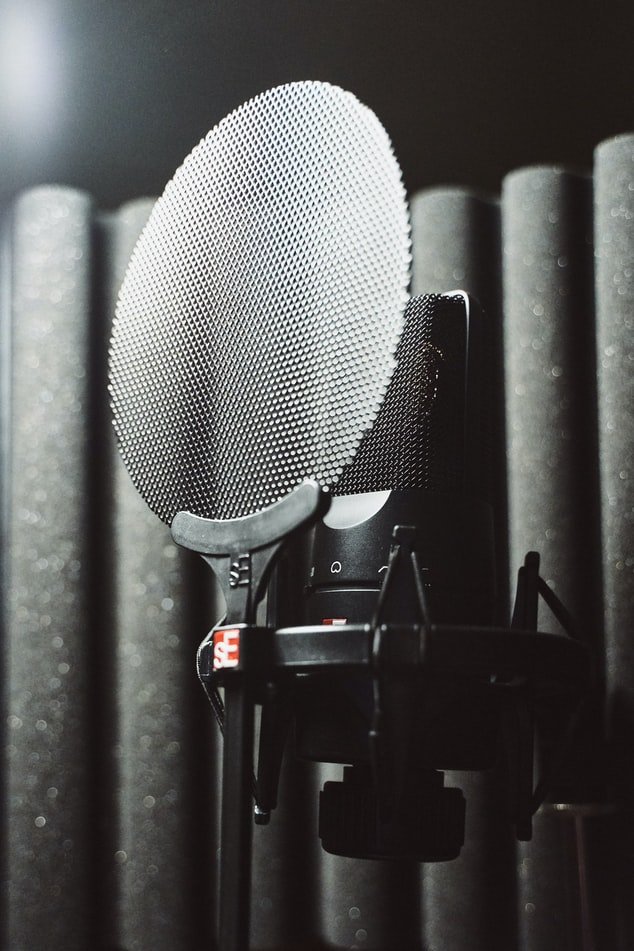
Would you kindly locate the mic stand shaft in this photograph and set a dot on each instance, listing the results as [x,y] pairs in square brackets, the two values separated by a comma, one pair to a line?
[236,829]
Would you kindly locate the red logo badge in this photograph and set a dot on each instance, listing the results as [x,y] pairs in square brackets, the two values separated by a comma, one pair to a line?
[226,648]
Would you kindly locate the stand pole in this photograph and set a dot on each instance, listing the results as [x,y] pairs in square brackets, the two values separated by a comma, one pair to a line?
[237,808]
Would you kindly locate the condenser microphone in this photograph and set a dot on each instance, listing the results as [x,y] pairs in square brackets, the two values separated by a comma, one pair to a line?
[425,462]
[424,466]
[394,592]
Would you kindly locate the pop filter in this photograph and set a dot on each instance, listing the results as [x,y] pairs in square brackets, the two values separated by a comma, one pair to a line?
[257,323]
[254,339]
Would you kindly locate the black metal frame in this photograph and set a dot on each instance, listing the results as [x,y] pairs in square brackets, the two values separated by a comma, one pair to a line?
[518,665]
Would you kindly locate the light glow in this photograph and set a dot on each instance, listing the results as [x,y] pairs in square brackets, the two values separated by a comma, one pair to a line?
[29,66]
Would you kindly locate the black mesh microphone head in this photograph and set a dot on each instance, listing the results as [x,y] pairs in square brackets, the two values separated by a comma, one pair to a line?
[433,430]
[256,327]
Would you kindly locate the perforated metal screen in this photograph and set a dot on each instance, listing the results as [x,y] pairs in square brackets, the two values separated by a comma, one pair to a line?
[257,324]
[418,438]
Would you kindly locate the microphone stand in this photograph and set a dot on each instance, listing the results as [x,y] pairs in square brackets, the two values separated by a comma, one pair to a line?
[517,667]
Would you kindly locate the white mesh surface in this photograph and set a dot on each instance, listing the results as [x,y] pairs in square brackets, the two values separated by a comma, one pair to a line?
[257,324]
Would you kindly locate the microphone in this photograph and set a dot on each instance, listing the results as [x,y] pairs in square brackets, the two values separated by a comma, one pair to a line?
[424,464]
[404,559]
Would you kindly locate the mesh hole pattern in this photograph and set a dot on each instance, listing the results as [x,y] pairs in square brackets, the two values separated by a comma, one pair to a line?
[256,327]
[418,439]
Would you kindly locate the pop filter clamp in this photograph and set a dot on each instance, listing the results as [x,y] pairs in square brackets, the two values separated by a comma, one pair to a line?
[518,668]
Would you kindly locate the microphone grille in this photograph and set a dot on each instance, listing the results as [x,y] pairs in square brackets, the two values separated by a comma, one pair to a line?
[256,327]
[429,433]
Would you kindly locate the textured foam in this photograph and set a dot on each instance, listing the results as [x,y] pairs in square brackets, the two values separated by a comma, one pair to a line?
[257,324]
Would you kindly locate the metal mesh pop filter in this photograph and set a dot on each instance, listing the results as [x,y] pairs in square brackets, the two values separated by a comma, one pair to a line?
[256,327]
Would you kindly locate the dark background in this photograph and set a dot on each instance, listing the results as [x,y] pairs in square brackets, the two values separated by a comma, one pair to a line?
[110,95]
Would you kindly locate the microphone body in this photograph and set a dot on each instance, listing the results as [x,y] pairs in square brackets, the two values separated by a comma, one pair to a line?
[424,465]
[350,549]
